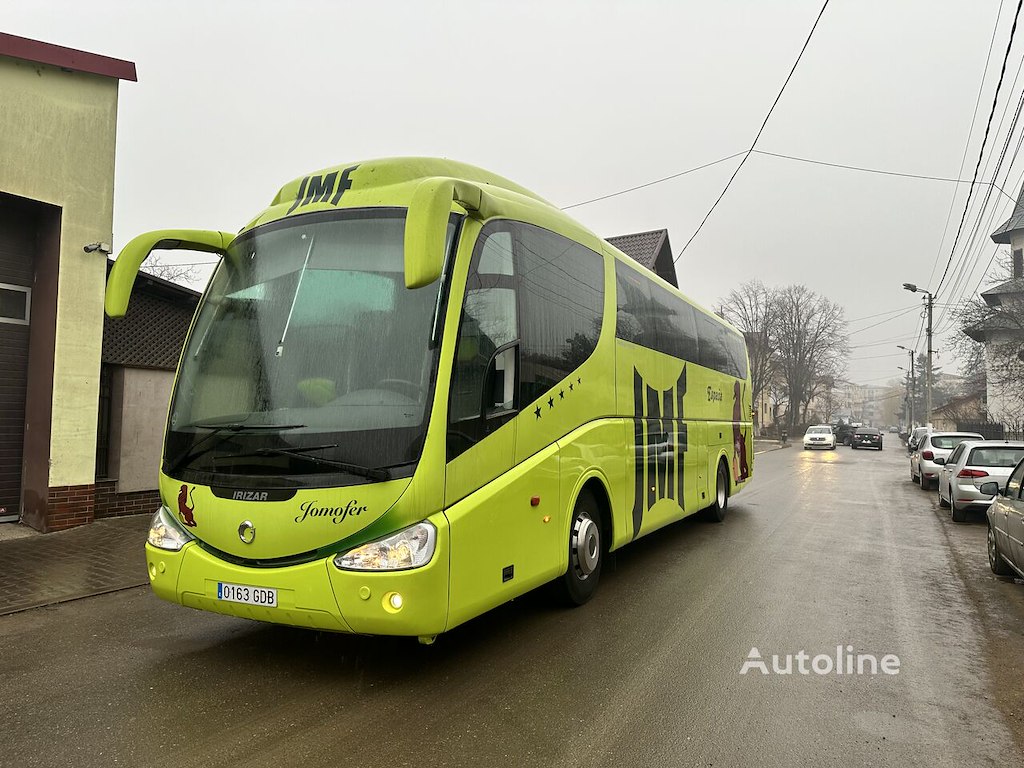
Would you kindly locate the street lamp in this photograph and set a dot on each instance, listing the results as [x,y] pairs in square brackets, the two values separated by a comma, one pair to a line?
[929,299]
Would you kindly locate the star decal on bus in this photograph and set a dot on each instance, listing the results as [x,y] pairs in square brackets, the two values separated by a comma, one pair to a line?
[537,412]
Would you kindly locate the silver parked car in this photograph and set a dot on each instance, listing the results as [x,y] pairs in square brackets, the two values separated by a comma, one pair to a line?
[972,464]
[915,436]
[924,468]
[1006,524]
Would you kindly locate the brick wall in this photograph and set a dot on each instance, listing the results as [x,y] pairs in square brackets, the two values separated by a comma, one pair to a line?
[68,506]
[112,504]
[72,505]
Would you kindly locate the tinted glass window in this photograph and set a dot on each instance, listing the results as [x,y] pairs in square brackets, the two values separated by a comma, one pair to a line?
[561,299]
[488,322]
[1013,485]
[954,457]
[675,324]
[949,441]
[650,315]
[995,457]
[634,315]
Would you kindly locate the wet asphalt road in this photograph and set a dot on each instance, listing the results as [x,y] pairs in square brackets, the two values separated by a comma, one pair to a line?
[825,549]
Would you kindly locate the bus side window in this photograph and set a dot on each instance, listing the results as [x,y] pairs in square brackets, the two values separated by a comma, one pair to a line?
[561,302]
[488,323]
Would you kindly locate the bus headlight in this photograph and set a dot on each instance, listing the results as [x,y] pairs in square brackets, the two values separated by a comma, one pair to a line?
[409,548]
[165,533]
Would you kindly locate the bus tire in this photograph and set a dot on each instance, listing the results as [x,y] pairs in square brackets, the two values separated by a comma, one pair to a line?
[586,552]
[716,512]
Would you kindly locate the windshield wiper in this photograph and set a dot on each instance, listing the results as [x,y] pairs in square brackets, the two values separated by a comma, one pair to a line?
[195,450]
[370,473]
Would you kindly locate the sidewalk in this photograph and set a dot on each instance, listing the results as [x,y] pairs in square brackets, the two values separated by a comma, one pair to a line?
[44,568]
[763,446]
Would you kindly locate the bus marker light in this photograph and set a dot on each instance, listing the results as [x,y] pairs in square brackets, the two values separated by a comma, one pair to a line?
[547,518]
[535,501]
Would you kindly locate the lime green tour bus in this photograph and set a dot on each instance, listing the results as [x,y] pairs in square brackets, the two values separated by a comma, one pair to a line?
[414,390]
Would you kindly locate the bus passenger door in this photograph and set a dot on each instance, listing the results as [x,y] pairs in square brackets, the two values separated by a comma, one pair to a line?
[481,402]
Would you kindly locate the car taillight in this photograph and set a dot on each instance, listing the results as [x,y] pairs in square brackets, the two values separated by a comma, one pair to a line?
[972,473]
[928,455]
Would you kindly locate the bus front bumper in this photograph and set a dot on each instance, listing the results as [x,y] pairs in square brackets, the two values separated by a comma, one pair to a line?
[316,595]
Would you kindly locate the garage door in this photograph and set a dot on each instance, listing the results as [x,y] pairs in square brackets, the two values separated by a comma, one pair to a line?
[17,241]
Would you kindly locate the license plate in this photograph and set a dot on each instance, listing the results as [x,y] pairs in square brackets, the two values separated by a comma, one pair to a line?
[240,593]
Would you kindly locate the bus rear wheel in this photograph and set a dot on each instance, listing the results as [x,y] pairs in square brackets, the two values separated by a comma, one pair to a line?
[586,552]
[716,512]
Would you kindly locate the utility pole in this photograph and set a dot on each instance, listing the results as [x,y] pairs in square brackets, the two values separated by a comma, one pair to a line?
[929,300]
[913,386]
[928,373]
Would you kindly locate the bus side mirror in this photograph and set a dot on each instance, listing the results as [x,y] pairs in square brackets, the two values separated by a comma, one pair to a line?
[126,267]
[499,392]
[426,224]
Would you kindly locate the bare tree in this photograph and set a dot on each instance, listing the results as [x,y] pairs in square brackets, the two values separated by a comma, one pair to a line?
[811,345]
[172,273]
[753,308]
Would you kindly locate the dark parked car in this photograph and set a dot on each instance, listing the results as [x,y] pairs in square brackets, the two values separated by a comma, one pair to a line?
[866,437]
[1006,524]
[843,432]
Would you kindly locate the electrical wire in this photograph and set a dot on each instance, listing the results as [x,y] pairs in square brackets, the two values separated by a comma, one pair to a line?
[988,125]
[880,171]
[967,144]
[652,183]
[759,132]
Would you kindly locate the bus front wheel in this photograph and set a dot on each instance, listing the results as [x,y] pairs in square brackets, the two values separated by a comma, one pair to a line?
[586,552]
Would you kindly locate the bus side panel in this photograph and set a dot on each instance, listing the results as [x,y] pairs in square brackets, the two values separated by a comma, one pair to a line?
[501,545]
[594,451]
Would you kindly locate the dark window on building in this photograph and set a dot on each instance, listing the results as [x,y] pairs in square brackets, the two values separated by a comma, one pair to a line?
[103,423]
[561,300]
[14,304]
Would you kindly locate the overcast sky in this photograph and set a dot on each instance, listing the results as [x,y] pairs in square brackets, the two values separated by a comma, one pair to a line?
[580,99]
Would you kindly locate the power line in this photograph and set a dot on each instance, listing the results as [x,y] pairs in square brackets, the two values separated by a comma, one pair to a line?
[878,170]
[759,132]
[984,141]
[879,314]
[880,322]
[656,181]
[970,132]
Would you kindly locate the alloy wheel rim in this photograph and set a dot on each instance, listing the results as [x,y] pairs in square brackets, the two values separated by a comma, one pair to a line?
[586,545]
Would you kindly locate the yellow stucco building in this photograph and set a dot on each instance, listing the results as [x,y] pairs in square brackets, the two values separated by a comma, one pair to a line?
[57,138]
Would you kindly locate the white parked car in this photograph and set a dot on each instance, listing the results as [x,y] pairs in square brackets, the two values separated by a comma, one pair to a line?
[924,468]
[972,464]
[819,436]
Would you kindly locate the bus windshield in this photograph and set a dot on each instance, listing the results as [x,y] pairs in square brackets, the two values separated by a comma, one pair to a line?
[308,355]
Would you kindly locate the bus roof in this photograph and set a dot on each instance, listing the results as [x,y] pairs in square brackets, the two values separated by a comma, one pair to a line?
[387,182]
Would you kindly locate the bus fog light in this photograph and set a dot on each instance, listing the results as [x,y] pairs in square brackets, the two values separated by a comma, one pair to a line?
[393,602]
[165,533]
[409,548]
